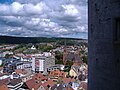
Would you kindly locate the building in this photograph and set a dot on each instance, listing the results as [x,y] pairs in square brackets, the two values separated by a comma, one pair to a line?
[32,84]
[33,48]
[38,64]
[56,67]
[15,84]
[83,86]
[54,75]
[11,64]
[41,63]
[3,87]
[104,45]
[23,65]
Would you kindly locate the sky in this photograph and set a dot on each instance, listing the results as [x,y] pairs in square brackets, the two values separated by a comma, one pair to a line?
[44,18]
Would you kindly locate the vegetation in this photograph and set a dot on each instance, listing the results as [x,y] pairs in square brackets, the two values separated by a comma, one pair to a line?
[7,55]
[85,59]
[68,64]
[26,40]
[59,57]
[45,48]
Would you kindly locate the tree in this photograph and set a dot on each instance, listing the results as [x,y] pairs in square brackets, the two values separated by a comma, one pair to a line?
[85,59]
[7,55]
[58,57]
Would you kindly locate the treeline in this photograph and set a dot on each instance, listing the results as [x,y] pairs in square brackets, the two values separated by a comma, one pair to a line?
[25,40]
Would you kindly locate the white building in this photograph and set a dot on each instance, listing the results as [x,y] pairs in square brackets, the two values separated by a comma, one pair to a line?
[33,48]
[41,63]
[38,64]
[23,65]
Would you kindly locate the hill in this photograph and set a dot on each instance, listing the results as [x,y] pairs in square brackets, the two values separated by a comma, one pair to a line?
[19,40]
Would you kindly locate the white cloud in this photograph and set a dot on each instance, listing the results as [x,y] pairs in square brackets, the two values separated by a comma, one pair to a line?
[70,10]
[44,18]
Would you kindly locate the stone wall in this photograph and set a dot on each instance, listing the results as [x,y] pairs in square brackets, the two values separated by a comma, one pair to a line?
[104,50]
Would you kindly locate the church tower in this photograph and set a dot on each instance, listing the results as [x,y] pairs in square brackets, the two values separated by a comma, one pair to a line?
[65,54]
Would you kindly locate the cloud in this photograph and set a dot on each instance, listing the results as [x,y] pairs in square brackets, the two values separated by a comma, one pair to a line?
[55,18]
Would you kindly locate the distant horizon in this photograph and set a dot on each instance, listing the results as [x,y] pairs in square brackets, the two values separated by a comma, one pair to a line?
[41,37]
[44,18]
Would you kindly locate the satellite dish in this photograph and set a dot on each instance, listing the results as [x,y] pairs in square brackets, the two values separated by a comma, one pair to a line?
[0,62]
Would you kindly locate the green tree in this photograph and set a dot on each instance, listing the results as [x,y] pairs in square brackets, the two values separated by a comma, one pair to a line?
[58,57]
[7,55]
[85,59]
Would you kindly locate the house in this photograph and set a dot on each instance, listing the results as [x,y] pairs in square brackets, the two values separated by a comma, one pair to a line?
[11,65]
[33,48]
[32,84]
[58,87]
[61,87]
[48,84]
[74,71]
[83,86]
[14,84]
[40,77]
[26,58]
[4,81]
[56,67]
[78,69]
[25,74]
[67,81]
[56,74]
[36,83]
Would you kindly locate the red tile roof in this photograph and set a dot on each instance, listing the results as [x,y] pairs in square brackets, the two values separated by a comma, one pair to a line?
[58,73]
[49,82]
[32,83]
[4,87]
[21,71]
[83,85]
[67,80]
[39,76]
[4,81]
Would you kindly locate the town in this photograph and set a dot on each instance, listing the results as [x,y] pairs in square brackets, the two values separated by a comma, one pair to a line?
[43,66]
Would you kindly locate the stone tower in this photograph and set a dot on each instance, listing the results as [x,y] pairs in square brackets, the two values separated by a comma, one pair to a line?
[104,44]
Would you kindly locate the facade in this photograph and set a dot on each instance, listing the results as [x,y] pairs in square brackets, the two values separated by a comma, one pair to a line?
[15,84]
[73,72]
[38,64]
[104,45]
[56,67]
[41,63]
[11,64]
[23,65]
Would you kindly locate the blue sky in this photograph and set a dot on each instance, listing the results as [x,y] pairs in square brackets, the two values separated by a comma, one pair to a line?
[6,1]
[48,18]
